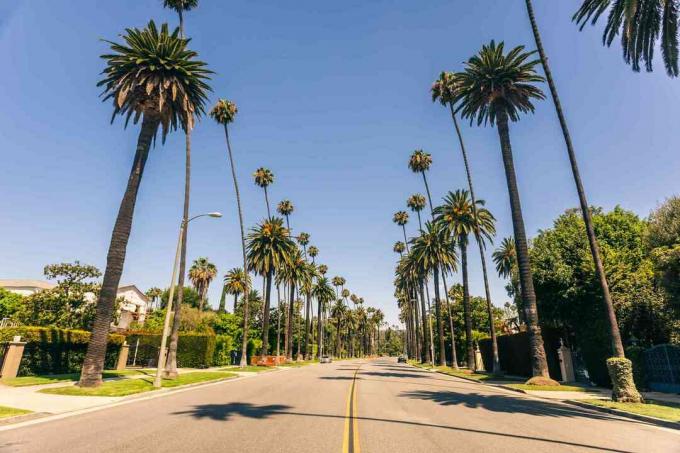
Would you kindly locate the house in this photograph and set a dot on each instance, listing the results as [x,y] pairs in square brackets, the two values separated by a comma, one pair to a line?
[133,307]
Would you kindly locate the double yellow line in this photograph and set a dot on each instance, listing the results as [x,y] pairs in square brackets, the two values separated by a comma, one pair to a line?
[350,442]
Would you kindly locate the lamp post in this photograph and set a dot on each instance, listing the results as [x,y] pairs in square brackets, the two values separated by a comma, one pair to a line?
[171,296]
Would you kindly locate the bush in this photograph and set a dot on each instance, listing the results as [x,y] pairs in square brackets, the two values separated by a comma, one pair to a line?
[224,345]
[55,351]
[194,350]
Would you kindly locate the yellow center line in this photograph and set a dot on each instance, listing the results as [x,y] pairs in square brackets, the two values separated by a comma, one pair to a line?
[350,441]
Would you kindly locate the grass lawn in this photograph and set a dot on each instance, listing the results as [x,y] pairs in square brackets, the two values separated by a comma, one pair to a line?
[249,369]
[550,388]
[6,412]
[54,378]
[125,387]
[658,409]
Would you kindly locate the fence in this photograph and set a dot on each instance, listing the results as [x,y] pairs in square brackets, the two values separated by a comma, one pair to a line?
[662,368]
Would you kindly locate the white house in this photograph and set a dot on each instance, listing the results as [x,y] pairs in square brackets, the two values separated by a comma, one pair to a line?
[133,308]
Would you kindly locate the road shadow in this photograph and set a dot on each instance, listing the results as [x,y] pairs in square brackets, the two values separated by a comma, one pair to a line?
[392,374]
[338,378]
[224,412]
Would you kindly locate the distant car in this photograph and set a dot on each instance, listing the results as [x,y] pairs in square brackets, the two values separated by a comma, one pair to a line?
[325,359]
[401,359]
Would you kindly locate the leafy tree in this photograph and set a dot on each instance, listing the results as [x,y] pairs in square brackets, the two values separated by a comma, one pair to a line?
[10,303]
[190,297]
[73,279]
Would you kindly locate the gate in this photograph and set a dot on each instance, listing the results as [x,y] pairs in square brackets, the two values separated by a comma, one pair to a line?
[662,368]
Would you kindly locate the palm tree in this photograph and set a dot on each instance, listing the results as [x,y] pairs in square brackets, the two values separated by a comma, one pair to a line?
[413,283]
[303,240]
[420,162]
[235,283]
[180,6]
[313,252]
[306,286]
[201,273]
[292,272]
[339,312]
[141,88]
[460,218]
[399,248]
[224,113]
[337,282]
[286,208]
[322,268]
[637,29]
[401,219]
[641,24]
[268,247]
[444,90]
[264,178]
[433,252]
[417,203]
[324,294]
[495,88]
[505,259]
[153,293]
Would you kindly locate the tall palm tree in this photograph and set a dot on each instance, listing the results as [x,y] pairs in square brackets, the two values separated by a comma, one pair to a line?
[303,240]
[268,247]
[153,293]
[637,28]
[338,282]
[292,272]
[338,311]
[444,91]
[417,203]
[399,248]
[322,268]
[201,273]
[505,259]
[264,178]
[433,252]
[306,286]
[286,208]
[324,295]
[461,219]
[180,6]
[235,283]
[641,24]
[141,89]
[495,88]
[313,252]
[401,219]
[224,113]
[420,162]
[414,278]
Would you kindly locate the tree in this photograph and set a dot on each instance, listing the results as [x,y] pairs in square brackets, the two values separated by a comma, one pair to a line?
[322,268]
[180,6]
[662,241]
[162,95]
[286,208]
[433,252]
[190,297]
[264,178]
[201,273]
[641,24]
[324,295]
[224,113]
[401,219]
[338,282]
[292,272]
[235,283]
[73,278]
[417,203]
[10,303]
[399,248]
[495,88]
[461,219]
[269,247]
[505,259]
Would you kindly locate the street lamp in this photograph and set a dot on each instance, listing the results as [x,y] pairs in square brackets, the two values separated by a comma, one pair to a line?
[171,296]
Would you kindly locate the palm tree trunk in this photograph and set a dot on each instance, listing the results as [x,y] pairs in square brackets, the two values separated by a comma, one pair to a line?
[223,300]
[91,374]
[539,363]
[468,172]
[289,327]
[308,307]
[454,357]
[246,289]
[466,305]
[278,321]
[235,302]
[440,323]
[265,315]
[319,328]
[266,200]
[298,354]
[403,227]
[427,339]
[416,320]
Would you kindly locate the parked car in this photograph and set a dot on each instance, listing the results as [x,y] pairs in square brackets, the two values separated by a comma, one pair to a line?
[401,359]
[325,359]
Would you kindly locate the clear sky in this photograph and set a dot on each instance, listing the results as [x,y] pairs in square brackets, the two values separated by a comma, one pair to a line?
[333,97]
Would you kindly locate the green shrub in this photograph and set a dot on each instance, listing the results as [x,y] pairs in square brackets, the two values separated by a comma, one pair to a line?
[224,344]
[635,355]
[50,350]
[194,350]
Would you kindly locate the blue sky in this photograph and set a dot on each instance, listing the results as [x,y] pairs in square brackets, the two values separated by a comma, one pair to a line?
[333,97]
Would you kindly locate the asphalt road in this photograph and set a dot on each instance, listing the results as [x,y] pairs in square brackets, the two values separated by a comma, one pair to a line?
[396,408]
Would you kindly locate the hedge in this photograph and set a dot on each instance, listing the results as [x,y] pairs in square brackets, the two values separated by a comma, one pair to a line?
[50,350]
[194,350]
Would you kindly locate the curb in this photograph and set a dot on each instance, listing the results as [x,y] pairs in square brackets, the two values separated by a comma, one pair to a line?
[620,413]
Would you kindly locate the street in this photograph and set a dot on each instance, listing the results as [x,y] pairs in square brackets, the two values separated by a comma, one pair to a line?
[374,406]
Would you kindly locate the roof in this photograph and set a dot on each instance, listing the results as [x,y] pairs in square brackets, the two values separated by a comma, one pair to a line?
[135,289]
[10,283]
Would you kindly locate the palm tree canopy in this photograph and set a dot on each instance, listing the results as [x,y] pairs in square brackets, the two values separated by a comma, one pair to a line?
[263,177]
[224,112]
[322,269]
[444,89]
[323,291]
[293,270]
[433,249]
[399,247]
[155,73]
[640,23]
[268,246]
[285,208]
[419,161]
[313,251]
[457,215]
[235,281]
[494,82]
[505,258]
[338,281]
[307,276]
[400,218]
[303,239]
[416,202]
[202,272]
[180,5]
[345,293]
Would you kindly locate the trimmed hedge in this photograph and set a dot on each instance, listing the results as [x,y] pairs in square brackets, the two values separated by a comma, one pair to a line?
[194,350]
[50,350]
